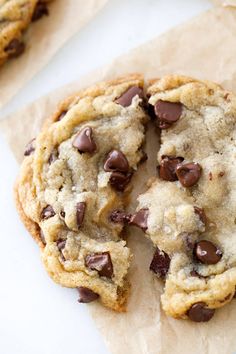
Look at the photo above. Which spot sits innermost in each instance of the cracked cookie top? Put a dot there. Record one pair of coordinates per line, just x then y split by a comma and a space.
74, 175
190, 208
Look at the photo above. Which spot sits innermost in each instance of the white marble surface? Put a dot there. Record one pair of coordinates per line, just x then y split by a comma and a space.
37, 316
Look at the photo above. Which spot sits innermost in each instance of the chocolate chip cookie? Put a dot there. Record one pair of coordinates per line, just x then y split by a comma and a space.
189, 212
73, 185
15, 17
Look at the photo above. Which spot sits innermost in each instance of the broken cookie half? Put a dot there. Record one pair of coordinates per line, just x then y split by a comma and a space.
73, 183
189, 211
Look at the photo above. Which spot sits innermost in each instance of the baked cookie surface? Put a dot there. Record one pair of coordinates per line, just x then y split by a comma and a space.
73, 183
15, 17
75, 178
189, 211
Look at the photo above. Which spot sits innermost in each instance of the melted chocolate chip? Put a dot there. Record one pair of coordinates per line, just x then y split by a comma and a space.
140, 219
168, 167
86, 295
206, 252
160, 263
188, 174
125, 99
80, 210
119, 181
40, 11
200, 313
62, 115
119, 216
116, 161
167, 113
53, 157
101, 262
29, 149
15, 48
61, 244
47, 212
200, 212
84, 141
194, 273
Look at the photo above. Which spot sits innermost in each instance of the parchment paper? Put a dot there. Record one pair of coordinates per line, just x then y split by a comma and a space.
43, 39
204, 48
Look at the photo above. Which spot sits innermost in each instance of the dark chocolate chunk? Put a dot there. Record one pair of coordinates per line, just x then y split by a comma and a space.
168, 167
101, 262
125, 99
206, 252
199, 312
116, 161
167, 113
47, 212
80, 210
140, 219
86, 295
15, 48
160, 263
84, 141
29, 149
40, 11
188, 174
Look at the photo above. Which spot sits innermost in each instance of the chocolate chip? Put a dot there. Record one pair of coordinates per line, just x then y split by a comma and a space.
84, 141
140, 219
63, 214
100, 262
194, 273
119, 181
80, 210
116, 161
40, 11
160, 263
168, 167
125, 99
200, 212
62, 115
15, 48
119, 216
167, 113
86, 295
47, 212
188, 174
61, 244
200, 313
29, 149
206, 252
